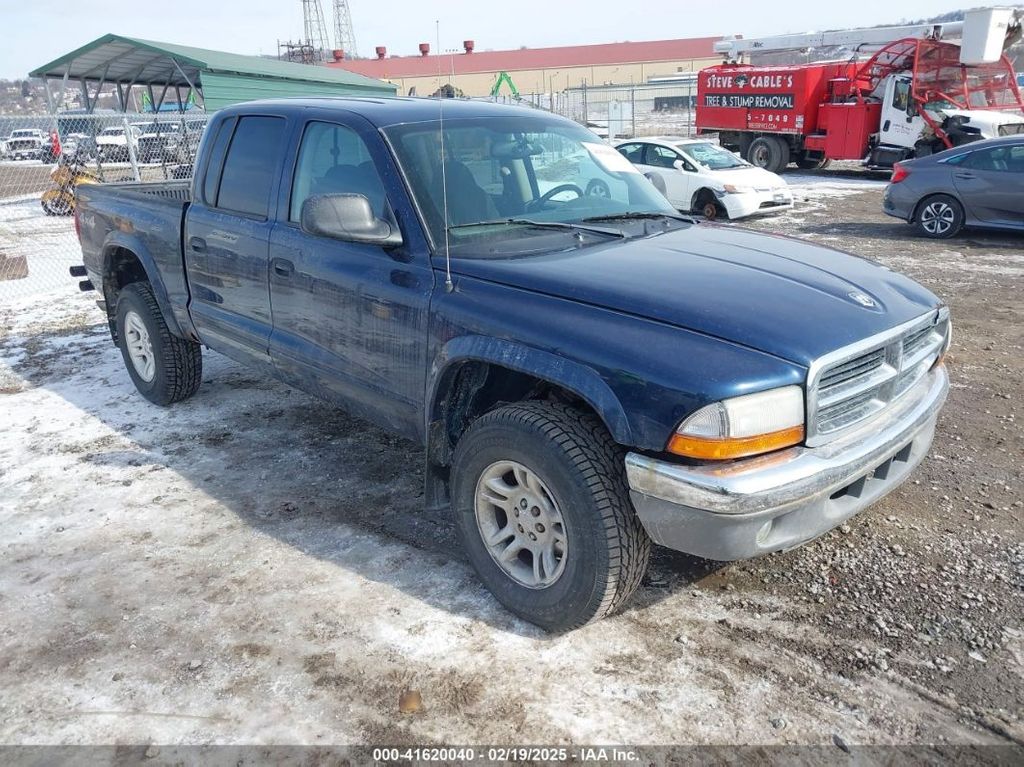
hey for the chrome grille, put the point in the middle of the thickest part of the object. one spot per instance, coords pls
(853, 384)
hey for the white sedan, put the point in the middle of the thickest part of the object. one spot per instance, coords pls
(703, 177)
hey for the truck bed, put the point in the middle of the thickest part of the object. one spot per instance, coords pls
(145, 218)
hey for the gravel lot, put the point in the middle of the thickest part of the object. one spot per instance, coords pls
(253, 566)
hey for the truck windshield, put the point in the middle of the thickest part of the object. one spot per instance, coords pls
(506, 174)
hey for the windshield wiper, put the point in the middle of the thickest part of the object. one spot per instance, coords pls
(541, 225)
(641, 215)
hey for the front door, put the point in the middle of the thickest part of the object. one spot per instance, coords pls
(349, 319)
(901, 125)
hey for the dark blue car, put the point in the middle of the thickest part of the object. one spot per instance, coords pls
(588, 370)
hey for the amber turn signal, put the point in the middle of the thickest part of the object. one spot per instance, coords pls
(720, 449)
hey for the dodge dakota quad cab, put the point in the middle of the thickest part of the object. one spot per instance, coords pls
(589, 370)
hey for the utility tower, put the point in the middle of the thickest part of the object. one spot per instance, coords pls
(344, 35)
(316, 28)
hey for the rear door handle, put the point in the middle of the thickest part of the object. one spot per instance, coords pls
(964, 175)
(283, 267)
(198, 244)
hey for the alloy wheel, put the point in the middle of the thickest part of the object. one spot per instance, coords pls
(520, 524)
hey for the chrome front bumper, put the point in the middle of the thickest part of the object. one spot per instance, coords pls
(755, 506)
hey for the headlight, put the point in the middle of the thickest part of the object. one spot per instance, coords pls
(742, 426)
(732, 189)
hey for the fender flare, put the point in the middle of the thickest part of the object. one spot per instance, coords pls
(118, 240)
(573, 376)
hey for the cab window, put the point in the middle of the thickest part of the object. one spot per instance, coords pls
(250, 165)
(333, 159)
(901, 95)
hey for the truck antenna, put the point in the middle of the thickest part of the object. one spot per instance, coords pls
(444, 174)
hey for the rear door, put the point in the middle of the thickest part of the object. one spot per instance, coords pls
(227, 236)
(350, 318)
(662, 160)
(990, 182)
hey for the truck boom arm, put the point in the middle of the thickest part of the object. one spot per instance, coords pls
(733, 48)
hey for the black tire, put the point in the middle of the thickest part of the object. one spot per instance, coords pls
(939, 217)
(178, 362)
(784, 154)
(583, 468)
(768, 152)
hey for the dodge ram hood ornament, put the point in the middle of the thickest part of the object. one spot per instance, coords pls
(863, 299)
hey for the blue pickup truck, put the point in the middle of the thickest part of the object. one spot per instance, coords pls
(589, 370)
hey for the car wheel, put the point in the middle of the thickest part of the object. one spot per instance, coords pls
(708, 207)
(939, 217)
(164, 368)
(542, 508)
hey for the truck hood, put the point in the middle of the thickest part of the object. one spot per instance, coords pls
(988, 121)
(779, 295)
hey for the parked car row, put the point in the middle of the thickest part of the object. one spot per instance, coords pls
(167, 142)
(979, 184)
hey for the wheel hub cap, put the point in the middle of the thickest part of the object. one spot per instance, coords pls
(140, 348)
(520, 524)
(937, 218)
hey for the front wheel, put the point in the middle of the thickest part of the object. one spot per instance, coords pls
(542, 508)
(164, 368)
(939, 217)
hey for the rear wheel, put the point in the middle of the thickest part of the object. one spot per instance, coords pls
(939, 217)
(542, 508)
(769, 152)
(164, 368)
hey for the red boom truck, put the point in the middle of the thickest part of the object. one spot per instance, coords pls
(917, 94)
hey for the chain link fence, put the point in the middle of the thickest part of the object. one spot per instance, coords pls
(628, 111)
(43, 158)
(623, 111)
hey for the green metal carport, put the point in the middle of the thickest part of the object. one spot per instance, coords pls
(216, 78)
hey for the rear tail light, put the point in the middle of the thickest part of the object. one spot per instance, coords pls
(78, 225)
(899, 172)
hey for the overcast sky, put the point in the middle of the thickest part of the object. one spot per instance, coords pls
(38, 32)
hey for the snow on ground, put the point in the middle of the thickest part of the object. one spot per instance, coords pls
(255, 566)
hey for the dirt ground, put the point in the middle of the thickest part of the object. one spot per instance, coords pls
(252, 566)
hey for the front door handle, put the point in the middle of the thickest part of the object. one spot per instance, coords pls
(198, 244)
(964, 175)
(283, 267)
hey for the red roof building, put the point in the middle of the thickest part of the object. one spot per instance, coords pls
(538, 70)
